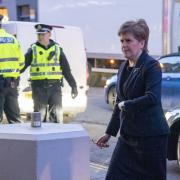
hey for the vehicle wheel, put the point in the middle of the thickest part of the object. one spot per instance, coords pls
(112, 96)
(178, 151)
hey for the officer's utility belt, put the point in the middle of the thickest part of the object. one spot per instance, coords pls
(9, 82)
(46, 83)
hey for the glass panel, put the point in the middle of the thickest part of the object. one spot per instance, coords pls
(170, 64)
(23, 13)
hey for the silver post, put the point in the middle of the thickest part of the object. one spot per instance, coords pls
(36, 119)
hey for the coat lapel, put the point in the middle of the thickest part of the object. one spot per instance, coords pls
(133, 75)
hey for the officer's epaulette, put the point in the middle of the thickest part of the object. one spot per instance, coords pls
(58, 45)
(32, 44)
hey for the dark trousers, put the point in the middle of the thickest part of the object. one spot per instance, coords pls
(9, 103)
(139, 159)
(47, 99)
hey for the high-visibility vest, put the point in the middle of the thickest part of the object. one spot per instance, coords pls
(11, 55)
(45, 63)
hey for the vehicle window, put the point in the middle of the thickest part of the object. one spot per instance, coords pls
(170, 64)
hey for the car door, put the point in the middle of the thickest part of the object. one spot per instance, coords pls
(170, 81)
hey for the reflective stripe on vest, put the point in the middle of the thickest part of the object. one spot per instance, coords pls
(43, 64)
(35, 54)
(44, 68)
(9, 70)
(56, 54)
(8, 59)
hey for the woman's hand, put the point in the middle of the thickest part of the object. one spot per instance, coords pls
(121, 106)
(103, 141)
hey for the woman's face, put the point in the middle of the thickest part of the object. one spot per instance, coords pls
(43, 38)
(131, 47)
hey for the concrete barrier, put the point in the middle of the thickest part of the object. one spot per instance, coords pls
(51, 152)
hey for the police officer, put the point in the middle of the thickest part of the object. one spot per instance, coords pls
(48, 66)
(11, 62)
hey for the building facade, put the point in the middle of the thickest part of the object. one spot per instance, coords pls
(19, 10)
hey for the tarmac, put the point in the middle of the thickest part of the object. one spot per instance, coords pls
(97, 171)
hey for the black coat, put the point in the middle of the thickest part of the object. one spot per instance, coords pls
(141, 91)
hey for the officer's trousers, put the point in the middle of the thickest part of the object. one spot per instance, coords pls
(48, 100)
(9, 103)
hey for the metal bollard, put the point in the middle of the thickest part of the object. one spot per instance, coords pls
(36, 119)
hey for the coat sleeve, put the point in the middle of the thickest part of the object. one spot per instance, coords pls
(152, 96)
(114, 123)
(28, 60)
(66, 71)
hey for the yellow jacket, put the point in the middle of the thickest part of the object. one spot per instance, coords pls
(11, 55)
(45, 63)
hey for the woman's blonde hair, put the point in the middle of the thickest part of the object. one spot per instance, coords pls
(139, 29)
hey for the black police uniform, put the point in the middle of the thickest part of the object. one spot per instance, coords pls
(48, 91)
(9, 99)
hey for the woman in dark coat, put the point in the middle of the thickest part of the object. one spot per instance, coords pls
(140, 153)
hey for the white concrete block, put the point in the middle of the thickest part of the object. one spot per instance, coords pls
(51, 152)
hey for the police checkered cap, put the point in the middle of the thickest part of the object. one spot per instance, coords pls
(42, 28)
